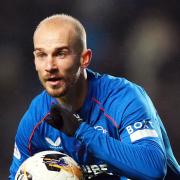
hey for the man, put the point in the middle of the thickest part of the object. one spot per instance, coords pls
(107, 124)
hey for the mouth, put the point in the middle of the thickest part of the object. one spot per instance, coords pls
(54, 81)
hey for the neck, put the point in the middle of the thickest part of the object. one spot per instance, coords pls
(74, 99)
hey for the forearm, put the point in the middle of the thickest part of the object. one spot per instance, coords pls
(137, 161)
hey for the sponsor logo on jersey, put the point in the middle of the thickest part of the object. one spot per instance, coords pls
(91, 171)
(100, 128)
(54, 144)
(78, 117)
(140, 130)
(17, 153)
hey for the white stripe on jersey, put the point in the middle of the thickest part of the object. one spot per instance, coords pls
(142, 133)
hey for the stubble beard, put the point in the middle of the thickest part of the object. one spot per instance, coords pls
(63, 90)
(67, 88)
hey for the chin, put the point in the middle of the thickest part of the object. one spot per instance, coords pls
(56, 92)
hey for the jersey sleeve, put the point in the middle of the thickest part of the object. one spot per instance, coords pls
(139, 151)
(24, 131)
(171, 160)
(21, 145)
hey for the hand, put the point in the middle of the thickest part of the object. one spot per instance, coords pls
(64, 120)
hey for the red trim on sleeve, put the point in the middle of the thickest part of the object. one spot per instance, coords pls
(94, 99)
(105, 114)
(33, 132)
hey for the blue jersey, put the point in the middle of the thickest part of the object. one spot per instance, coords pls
(121, 136)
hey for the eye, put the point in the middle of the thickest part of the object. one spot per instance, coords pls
(40, 54)
(61, 54)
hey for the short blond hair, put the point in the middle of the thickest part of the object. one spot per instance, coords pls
(78, 27)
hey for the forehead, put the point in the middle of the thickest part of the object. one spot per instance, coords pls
(54, 35)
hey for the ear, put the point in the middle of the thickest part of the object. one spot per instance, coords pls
(86, 58)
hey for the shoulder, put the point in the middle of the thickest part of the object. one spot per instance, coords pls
(121, 85)
(40, 105)
(118, 87)
(121, 95)
(41, 98)
(32, 119)
(38, 108)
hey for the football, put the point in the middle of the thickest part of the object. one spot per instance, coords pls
(49, 165)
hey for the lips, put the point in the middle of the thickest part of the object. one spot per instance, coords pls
(54, 81)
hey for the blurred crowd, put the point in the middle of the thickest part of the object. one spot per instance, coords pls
(138, 40)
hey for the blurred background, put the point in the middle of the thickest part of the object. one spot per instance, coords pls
(138, 40)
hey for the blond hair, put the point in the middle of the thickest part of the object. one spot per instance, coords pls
(67, 19)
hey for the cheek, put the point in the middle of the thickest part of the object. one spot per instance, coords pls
(72, 75)
(39, 72)
(70, 68)
(37, 65)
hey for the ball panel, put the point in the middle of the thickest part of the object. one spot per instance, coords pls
(49, 165)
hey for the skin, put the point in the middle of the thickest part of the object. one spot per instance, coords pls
(60, 64)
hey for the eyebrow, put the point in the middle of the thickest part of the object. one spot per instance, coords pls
(38, 49)
(56, 49)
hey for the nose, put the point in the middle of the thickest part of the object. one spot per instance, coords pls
(51, 65)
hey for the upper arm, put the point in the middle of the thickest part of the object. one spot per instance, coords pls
(139, 120)
(139, 151)
(20, 147)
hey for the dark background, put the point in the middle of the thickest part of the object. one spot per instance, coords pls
(135, 39)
